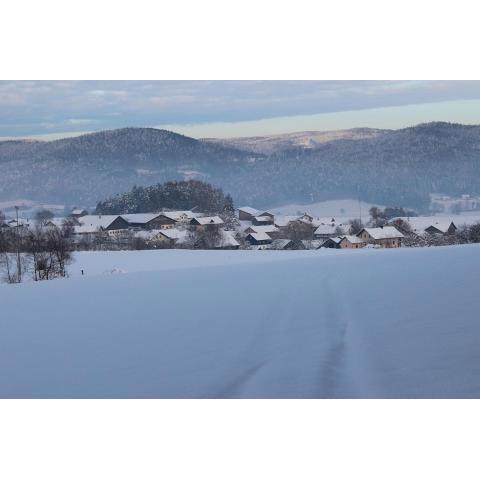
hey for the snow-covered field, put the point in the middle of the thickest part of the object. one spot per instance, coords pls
(367, 323)
(340, 209)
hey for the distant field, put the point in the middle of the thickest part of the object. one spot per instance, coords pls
(191, 324)
(347, 209)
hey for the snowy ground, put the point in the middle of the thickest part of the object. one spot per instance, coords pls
(372, 323)
(340, 209)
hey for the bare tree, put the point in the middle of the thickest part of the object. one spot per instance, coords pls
(208, 237)
(5, 260)
(59, 245)
(43, 216)
(356, 226)
(298, 230)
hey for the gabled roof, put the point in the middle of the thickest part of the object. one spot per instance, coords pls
(179, 214)
(259, 237)
(312, 244)
(249, 210)
(354, 239)
(78, 211)
(420, 224)
(441, 226)
(382, 233)
(280, 243)
(284, 220)
(327, 229)
(93, 223)
(228, 239)
(265, 213)
(208, 220)
(336, 240)
(148, 234)
(139, 217)
(263, 219)
(174, 234)
(21, 222)
(262, 228)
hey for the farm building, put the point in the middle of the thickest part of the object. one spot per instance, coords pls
(387, 237)
(247, 213)
(258, 238)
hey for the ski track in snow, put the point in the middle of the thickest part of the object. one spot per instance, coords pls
(366, 324)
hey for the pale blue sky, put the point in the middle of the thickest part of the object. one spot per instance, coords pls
(230, 108)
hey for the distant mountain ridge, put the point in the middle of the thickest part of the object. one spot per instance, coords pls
(389, 167)
(269, 144)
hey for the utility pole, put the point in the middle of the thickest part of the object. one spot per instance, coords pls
(19, 265)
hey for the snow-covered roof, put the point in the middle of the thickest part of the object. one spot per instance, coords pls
(78, 211)
(353, 239)
(312, 244)
(93, 223)
(420, 224)
(228, 239)
(21, 222)
(263, 219)
(249, 210)
(284, 220)
(279, 243)
(328, 229)
(209, 220)
(179, 214)
(140, 217)
(147, 234)
(262, 228)
(383, 233)
(441, 226)
(178, 235)
(336, 239)
(56, 221)
(260, 236)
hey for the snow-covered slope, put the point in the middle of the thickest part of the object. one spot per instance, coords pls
(391, 323)
(347, 209)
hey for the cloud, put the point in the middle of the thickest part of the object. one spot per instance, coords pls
(45, 107)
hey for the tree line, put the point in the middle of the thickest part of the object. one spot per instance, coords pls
(41, 251)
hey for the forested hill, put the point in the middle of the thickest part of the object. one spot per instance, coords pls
(393, 167)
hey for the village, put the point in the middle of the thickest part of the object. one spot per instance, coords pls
(250, 229)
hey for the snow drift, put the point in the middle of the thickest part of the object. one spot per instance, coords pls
(367, 324)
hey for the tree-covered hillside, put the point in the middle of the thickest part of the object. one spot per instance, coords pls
(183, 195)
(392, 167)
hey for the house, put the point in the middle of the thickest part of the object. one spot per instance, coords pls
(78, 212)
(96, 223)
(387, 237)
(143, 221)
(270, 229)
(328, 230)
(312, 244)
(173, 218)
(333, 242)
(421, 225)
(201, 223)
(306, 218)
(262, 220)
(171, 236)
(60, 221)
(258, 238)
(21, 222)
(266, 214)
(352, 241)
(247, 213)
(286, 244)
(227, 241)
(442, 228)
